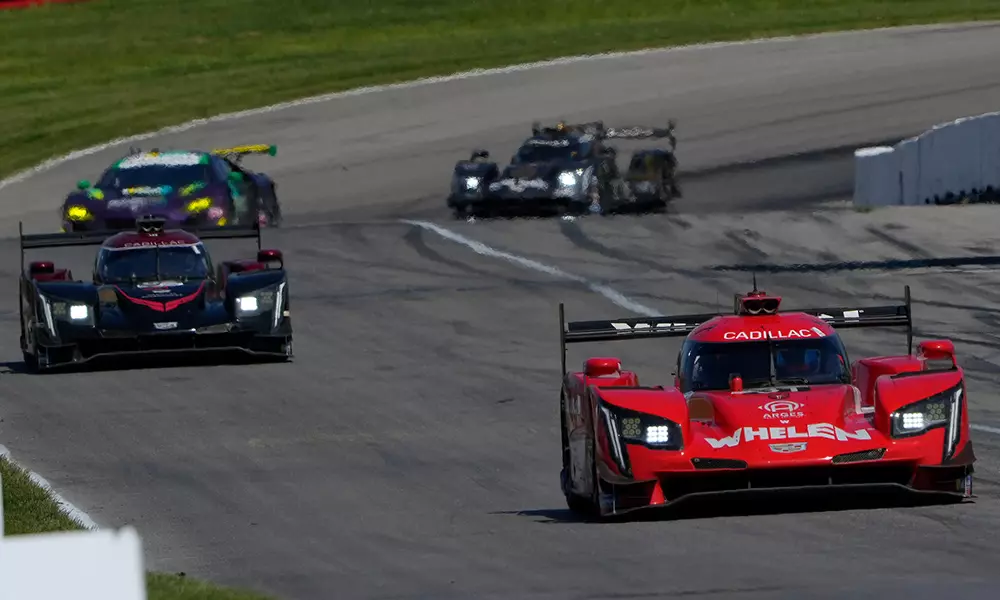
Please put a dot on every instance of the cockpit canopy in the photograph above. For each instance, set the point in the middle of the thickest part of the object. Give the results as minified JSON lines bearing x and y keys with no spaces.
{"x":135,"y":264}
{"x":812,"y":361}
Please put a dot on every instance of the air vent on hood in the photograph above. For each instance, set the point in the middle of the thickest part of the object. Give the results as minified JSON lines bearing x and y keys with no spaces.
{"x":875,"y":454}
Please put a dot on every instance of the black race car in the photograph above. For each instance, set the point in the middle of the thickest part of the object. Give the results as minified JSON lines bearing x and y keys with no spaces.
{"x":569,"y":169}
{"x":153,"y":291}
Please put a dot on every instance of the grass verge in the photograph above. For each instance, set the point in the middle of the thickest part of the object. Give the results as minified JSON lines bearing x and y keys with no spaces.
{"x":73,"y":75}
{"x":30,"y":509}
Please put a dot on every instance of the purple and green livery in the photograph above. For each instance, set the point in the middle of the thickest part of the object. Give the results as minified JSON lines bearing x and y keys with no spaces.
{"x":189,"y":189}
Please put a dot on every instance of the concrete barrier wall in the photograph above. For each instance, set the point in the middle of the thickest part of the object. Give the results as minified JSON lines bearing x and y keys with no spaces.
{"x":103,"y":564}
{"x":950,"y":163}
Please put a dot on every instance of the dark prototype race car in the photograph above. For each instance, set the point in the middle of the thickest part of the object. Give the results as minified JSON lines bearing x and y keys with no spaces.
{"x":569,"y":169}
{"x":153,"y":291}
{"x":762,"y":401}
{"x":186,"y":188}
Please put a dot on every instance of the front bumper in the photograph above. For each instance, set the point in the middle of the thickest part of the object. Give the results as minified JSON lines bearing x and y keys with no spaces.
{"x":658,"y":479}
{"x":105,"y":344}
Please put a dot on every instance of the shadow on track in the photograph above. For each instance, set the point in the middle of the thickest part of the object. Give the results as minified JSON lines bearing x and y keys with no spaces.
{"x":143,"y":362}
{"x":712,"y":507}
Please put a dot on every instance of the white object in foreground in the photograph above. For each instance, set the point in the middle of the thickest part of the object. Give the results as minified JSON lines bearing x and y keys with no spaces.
{"x":103,"y":564}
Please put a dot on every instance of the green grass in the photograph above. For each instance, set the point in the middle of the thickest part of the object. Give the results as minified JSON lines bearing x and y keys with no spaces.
{"x":30,"y":509}
{"x":79,"y":74}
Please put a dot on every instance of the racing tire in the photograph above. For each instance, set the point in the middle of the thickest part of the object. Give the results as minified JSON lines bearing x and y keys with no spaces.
{"x":575,"y":503}
{"x":30,"y":362}
{"x":274,"y":217}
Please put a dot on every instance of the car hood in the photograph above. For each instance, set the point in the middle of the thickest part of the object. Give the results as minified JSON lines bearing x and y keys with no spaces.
{"x":767,"y":424}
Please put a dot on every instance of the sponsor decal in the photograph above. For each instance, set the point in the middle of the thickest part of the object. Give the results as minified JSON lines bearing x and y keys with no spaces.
{"x":156,"y":242}
{"x":647,"y":326}
{"x":519,"y":185}
{"x":552,"y":143}
{"x":790,"y":334}
{"x":146,"y":190}
{"x":131,"y":203}
{"x":782,"y":409}
{"x":789,"y":448}
{"x":827,"y":431}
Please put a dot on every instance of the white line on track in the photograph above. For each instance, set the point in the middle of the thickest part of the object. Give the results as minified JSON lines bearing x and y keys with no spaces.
{"x":611,"y":294}
{"x":986,"y":428}
{"x":71,"y":511}
{"x":480,"y":248}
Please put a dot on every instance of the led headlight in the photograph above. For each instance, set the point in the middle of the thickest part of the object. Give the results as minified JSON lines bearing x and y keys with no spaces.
{"x":568,"y":179}
{"x":644,"y":429}
{"x":940,"y":410}
{"x":199,"y":205}
{"x":625,"y":427}
{"x":78,"y":213}
{"x":260,"y":301}
{"x":78,"y":312}
{"x":471,"y":183}
{"x":247,"y":304}
{"x":61,"y":310}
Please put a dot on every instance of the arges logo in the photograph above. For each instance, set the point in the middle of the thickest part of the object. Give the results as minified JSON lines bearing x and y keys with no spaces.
{"x":782,"y":409}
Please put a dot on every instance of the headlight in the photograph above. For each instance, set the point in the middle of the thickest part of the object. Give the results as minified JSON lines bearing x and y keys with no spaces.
{"x":567,"y":179}
{"x":199,"y":205}
{"x":78,"y":213}
{"x":62,"y":310}
{"x":247,"y":304}
{"x":258,"y":302}
{"x":940,"y":410}
{"x":471,"y":183}
{"x":644,"y":429}
{"x":78,"y":312}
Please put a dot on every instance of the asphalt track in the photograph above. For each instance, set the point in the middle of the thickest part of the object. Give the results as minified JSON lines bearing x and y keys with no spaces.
{"x":411,"y":450}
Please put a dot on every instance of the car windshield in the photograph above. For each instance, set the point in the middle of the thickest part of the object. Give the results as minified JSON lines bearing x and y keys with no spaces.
{"x":154,"y":263}
{"x":154,"y":176}
{"x":530,"y":153}
{"x":708,"y":366}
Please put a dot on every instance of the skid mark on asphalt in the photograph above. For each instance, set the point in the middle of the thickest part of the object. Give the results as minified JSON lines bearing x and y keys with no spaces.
{"x":480,"y":248}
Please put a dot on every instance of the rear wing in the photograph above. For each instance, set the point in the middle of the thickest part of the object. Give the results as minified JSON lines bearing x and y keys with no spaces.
{"x":96,"y":238}
{"x":893,"y":315}
{"x":238,"y":152}
{"x":597,"y":129}
{"x":574,"y":332}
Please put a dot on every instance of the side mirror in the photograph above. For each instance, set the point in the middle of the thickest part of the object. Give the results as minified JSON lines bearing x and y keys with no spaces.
{"x":937,"y":350}
{"x":270,"y":256}
{"x":83,"y":184}
{"x":477,"y":154}
{"x":602,"y":367}
{"x":40,"y":267}
{"x":235,"y":176}
{"x":735,"y":383}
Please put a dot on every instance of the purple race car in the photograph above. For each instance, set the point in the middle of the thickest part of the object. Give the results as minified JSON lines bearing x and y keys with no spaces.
{"x":190,"y":189}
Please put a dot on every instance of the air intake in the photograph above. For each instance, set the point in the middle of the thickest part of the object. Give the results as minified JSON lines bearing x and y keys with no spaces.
{"x":718,"y":463}
{"x":875,"y":454}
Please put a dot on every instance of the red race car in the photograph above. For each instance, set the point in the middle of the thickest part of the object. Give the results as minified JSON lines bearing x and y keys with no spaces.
{"x":761,"y":400}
